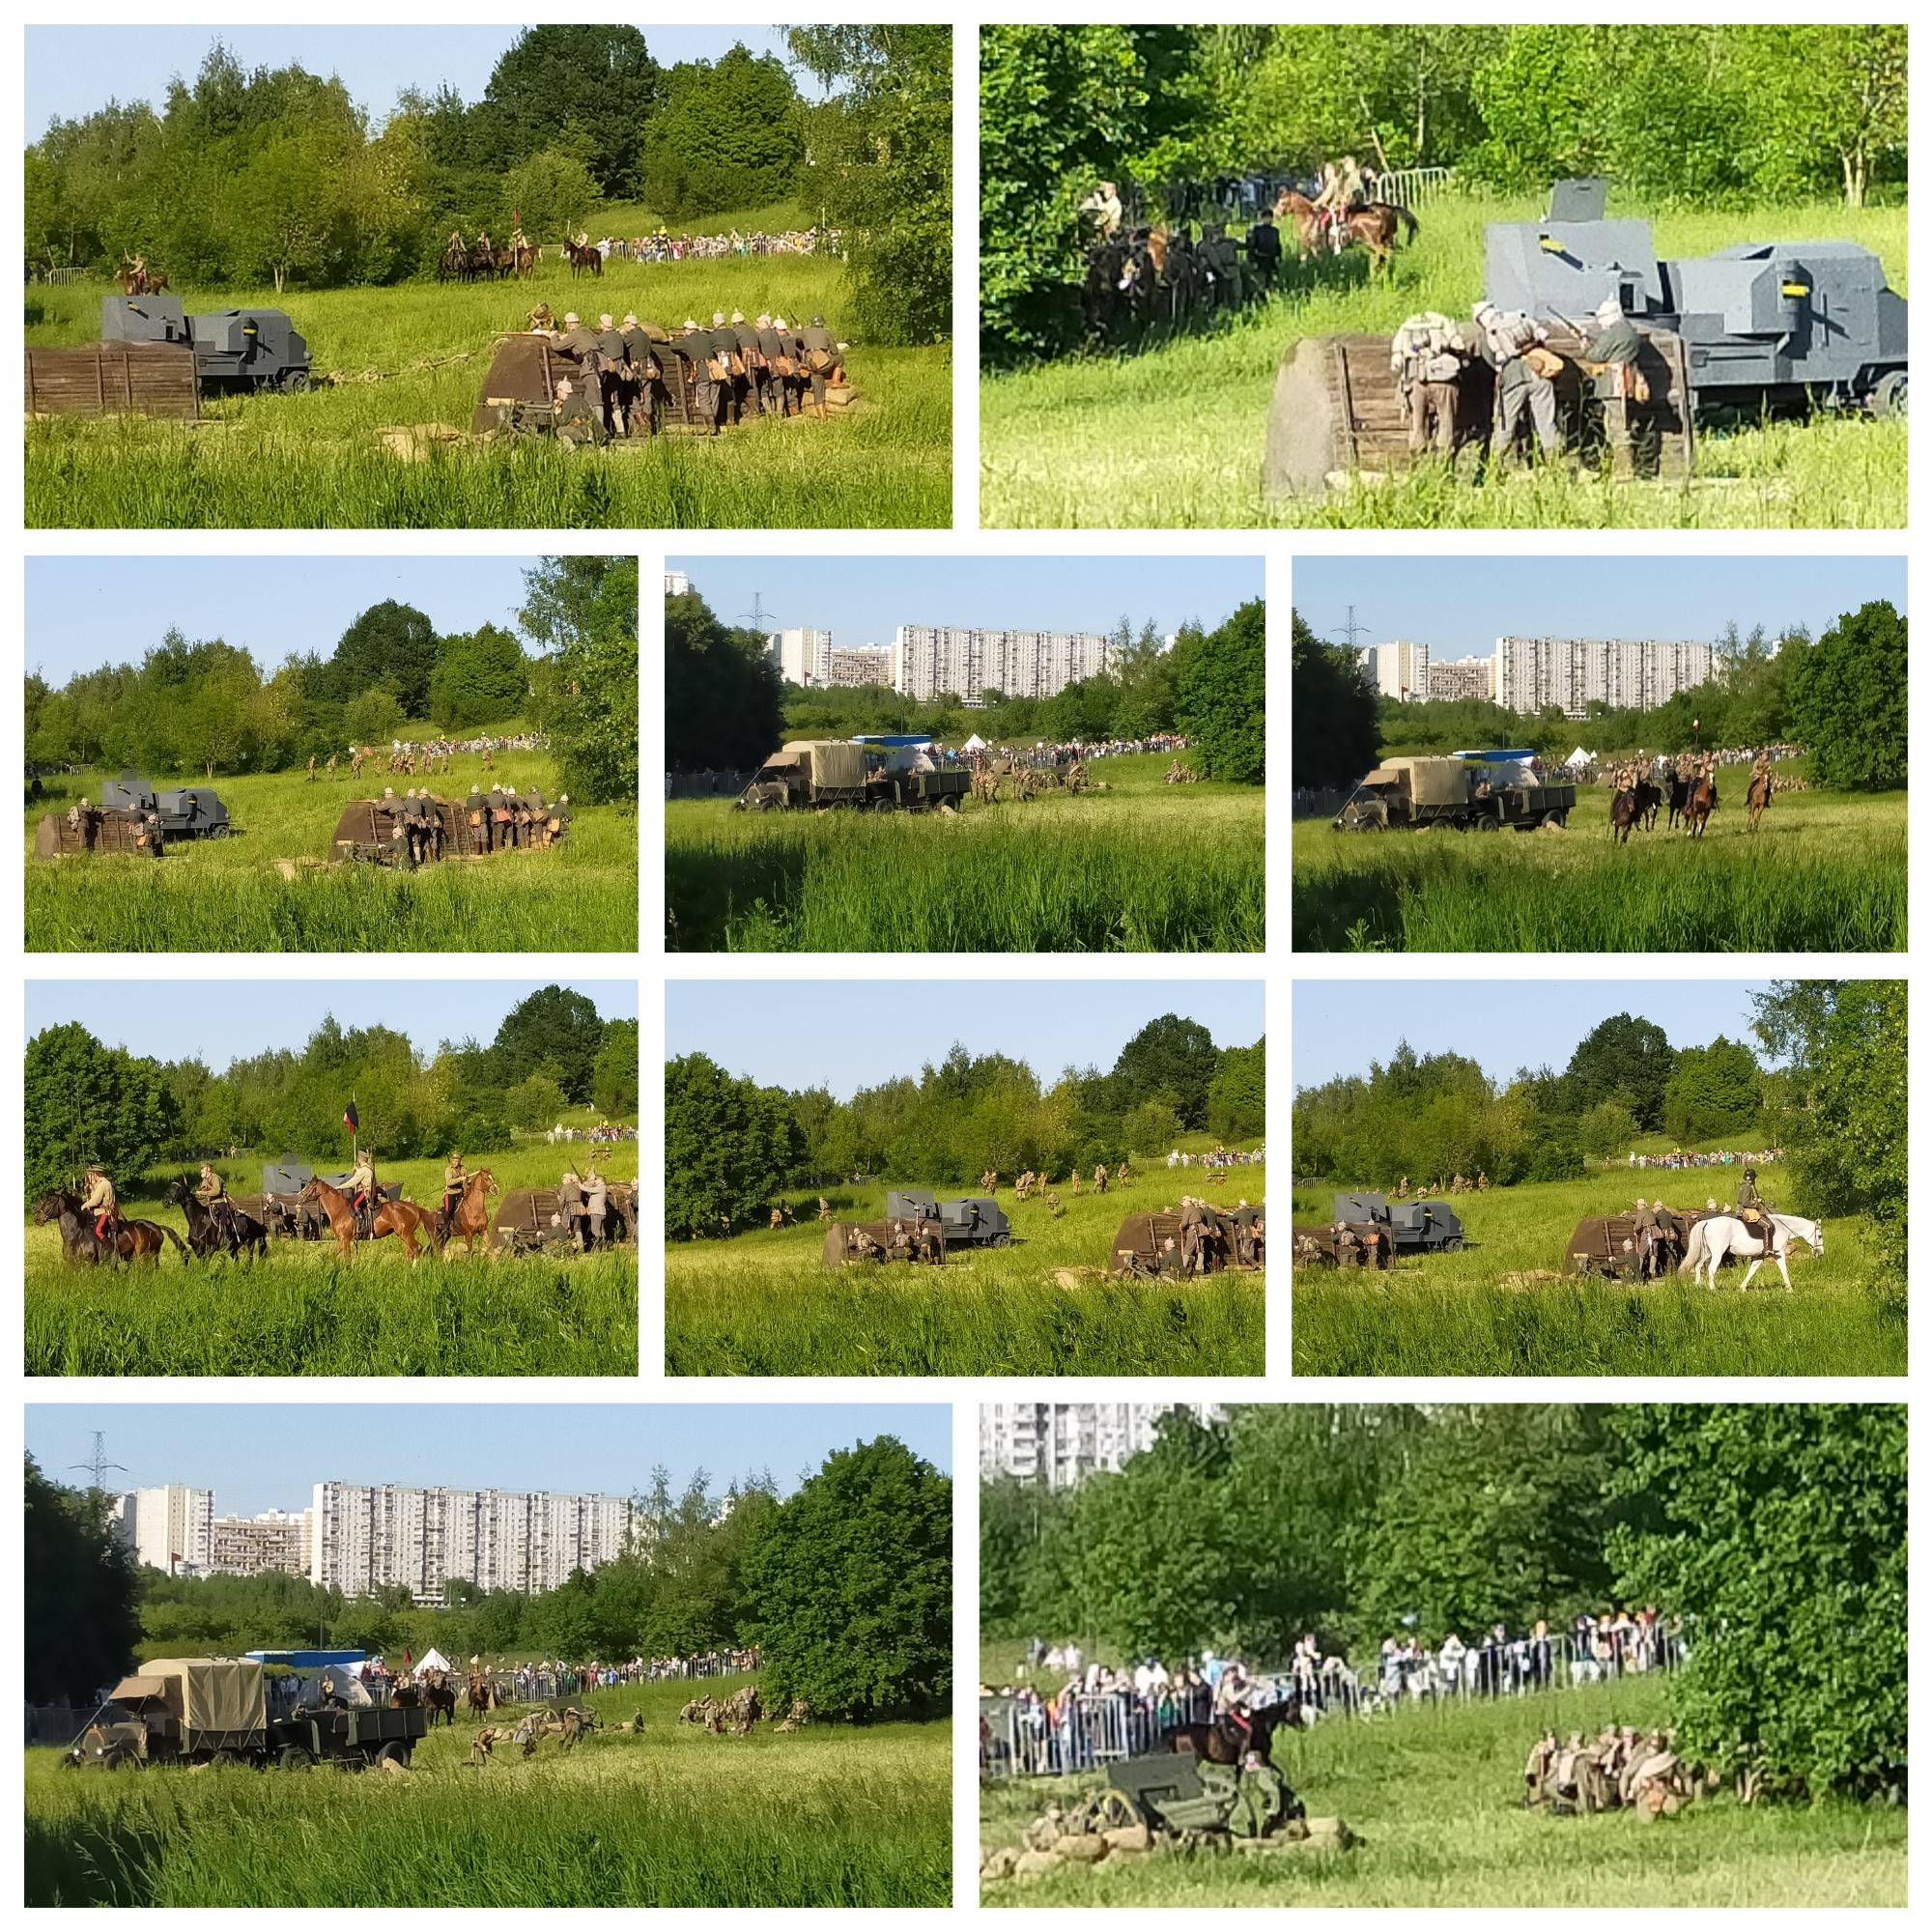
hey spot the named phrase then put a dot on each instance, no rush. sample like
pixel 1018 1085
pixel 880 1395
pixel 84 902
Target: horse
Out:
pixel 1625 812
pixel 1380 226
pixel 454 265
pixel 482 1693
pixel 1723 1237
pixel 1680 798
pixel 1798 1228
pixel 403 1696
pixel 438 1695
pixel 142 1242
pixel 524 265
pixel 1698 807
pixel 402 1219
pixel 471 1215
pixel 206 1235
pixel 585 259
pixel 1222 1740
pixel 1648 797
pixel 1758 801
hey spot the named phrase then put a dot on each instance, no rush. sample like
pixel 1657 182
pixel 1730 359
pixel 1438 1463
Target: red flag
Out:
pixel 349 1118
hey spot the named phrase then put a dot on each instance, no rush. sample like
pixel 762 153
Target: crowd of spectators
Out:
pixel 1678 1160
pixel 1220 1160
pixel 664 246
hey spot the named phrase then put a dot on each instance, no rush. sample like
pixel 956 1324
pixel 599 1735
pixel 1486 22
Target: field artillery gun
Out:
pixel 373 831
pixel 897 774
pixel 1605 1247
pixel 214 1710
pixel 1147 1247
pixel 906 1238
pixel 1470 791
pixel 535 1221
pixel 190 811
pixel 1408 1227
pixel 1367 1247
pixel 972 1221
pixel 1764 325
pixel 135 834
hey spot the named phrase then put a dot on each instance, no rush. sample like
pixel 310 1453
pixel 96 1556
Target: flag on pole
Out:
pixel 349 1118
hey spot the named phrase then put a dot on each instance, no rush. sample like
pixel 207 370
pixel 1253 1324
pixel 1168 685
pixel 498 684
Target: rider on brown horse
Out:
pixel 454 1180
pixel 99 1201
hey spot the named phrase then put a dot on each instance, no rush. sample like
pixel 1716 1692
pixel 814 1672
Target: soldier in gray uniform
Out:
pixel 1610 355
pixel 694 346
pixel 751 379
pixel 820 348
pixel 776 348
pixel 613 367
pixel 1513 345
pixel 495 819
pixel 577 419
pixel 640 352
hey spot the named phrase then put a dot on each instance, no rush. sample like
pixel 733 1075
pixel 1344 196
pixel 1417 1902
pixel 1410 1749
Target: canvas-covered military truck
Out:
pixel 880 775
pixel 973 1221
pixel 214 1710
pixel 1473 792
pixel 1411 1227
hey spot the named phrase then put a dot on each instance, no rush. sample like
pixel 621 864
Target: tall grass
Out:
pixel 1484 1312
pixel 762 1304
pixel 1140 868
pixel 1435 1796
pixel 267 889
pixel 832 1815
pixel 417 353
pixel 1173 438
pixel 1825 873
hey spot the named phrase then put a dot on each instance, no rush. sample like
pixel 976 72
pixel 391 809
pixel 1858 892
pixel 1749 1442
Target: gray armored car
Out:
pixel 191 812
pixel 237 351
pixel 1411 1227
pixel 974 1221
pixel 1765 324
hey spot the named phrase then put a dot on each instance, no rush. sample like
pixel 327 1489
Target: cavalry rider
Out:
pixel 1104 206
pixel 99 1201
pixel 1341 190
pixel 212 1194
pixel 454 1181
pixel 1755 1211
pixel 361 1192
pixel 1233 1691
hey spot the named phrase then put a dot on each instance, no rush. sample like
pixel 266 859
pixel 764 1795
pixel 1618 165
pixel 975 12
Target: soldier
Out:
pixel 821 360
pixel 577 420
pixel 1754 1211
pixel 777 1220
pixel 614 369
pixel 596 1200
pixel 83 818
pixel 1100 1177
pixel 561 813
pixel 362 1191
pixel 1264 250
pixel 1261 1799
pixel 1053 1206
pixel 866 1246
pixel 421 826
pixel 212 1194
pixel 579 345
pixel 329 768
pixel 1346 1245
pixel 489 757
pixel 1645 1224
pixel 1121 1174
pixel 751 374
pixel 790 1219
pixel 776 352
pixel 824 1208
pixel 1514 344
pixel 310 779
pixel 1482 1182
pixel 1611 357
pixel 570 1204
pixel 1073 1182
pixel 99 1201
pixel 496 811
pixel 693 347
pixel 901 1243
pixel 1426 357
pixel 454 1181
pixel 356 761
pixel 646 372
pixel 476 811
pixel 1401 1189
pixel 1193 1227
pixel 1103 208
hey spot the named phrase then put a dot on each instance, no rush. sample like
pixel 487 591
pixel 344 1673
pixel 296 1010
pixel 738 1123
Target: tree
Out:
pixel 851 1584
pixel 79 1618
pixel 729 136
pixel 1237 1093
pixel 1712 1093
pixel 483 678
pixel 596 86
pixel 724 698
pixel 584 610
pixel 553 191
pixel 728 1146
pixel 391 646
pixel 1848 701
pixel 1169 1059
pixel 1608 1127
pixel 554 1031
pixel 1332 706
pixel 86 1104
pixel 1221 691
pixel 1780 1529
pixel 614 1079
pixel 1621 1058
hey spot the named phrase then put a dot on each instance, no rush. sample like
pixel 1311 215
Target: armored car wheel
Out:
pixel 1453 1245
pixel 295 381
pixel 1888 396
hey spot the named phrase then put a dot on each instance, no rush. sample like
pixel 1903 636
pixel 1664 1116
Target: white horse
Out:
pixel 1799 1228
pixel 1721 1238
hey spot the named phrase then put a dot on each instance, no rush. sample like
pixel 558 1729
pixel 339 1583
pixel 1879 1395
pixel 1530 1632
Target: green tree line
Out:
pixel 1841 696
pixel 1776 1531
pixel 87 1102
pixel 204 707
pixel 731 708
pixel 845 1586
pixel 732 1146
pixel 1704 115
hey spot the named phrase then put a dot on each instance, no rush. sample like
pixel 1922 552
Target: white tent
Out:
pixel 1578 757
pixel 974 743
pixel 432 1660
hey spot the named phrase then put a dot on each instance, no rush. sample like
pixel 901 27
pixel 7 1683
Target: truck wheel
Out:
pixel 296 1757
pixel 882 804
pixel 1888 396
pixel 391 1753
pixel 1487 825
pixel 124 1757
pixel 1002 1241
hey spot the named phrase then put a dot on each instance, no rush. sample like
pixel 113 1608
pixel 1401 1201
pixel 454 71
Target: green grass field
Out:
pixel 1824 873
pixel 267 889
pixel 830 1815
pixel 1173 438
pixel 1436 1794
pixel 318 460
pixel 303 1313
pixel 763 1304
pixel 1140 867
pixel 1457 1315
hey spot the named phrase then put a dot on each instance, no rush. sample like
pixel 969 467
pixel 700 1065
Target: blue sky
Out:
pixel 1503 1024
pixel 84 611
pixel 1459 607
pixel 864 600
pixel 257 1458
pixel 234 1019
pixel 72 71
pixel 848 1034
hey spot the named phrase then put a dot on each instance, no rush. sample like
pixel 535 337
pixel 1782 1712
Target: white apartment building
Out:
pixel 1452 678
pixel 169 1528
pixel 1398 670
pixel 676 584
pixel 1572 674
pixel 933 661
pixel 248 1545
pixel 859 664
pixel 802 655
pixel 1059 1443
pixel 368 1536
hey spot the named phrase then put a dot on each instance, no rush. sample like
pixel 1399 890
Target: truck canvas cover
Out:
pixel 838 765
pixel 211 1694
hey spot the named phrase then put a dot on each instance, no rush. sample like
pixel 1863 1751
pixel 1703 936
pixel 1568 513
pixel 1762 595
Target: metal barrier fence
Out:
pixel 1020 1736
pixel 1413 187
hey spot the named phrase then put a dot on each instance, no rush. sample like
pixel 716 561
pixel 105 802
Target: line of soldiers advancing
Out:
pixel 1031 1184
pixel 1616 1768
pixel 503 819
pixel 732 370
pixel 1430 357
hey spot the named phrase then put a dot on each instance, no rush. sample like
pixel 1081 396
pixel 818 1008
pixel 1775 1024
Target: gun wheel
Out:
pixel 1114 1811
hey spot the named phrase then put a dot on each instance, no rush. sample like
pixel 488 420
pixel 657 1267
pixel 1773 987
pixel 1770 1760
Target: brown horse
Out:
pixel 1228 1739
pixel 141 1242
pixel 584 260
pixel 1625 812
pixel 1699 806
pixel 1379 227
pixel 471 1216
pixel 402 1219
pixel 1758 802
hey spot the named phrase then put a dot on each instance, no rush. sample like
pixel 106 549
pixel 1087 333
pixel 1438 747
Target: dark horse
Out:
pixel 1227 1739
pixel 209 1237
pixel 583 259
pixel 1625 811
pixel 439 1694
pixel 142 1242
